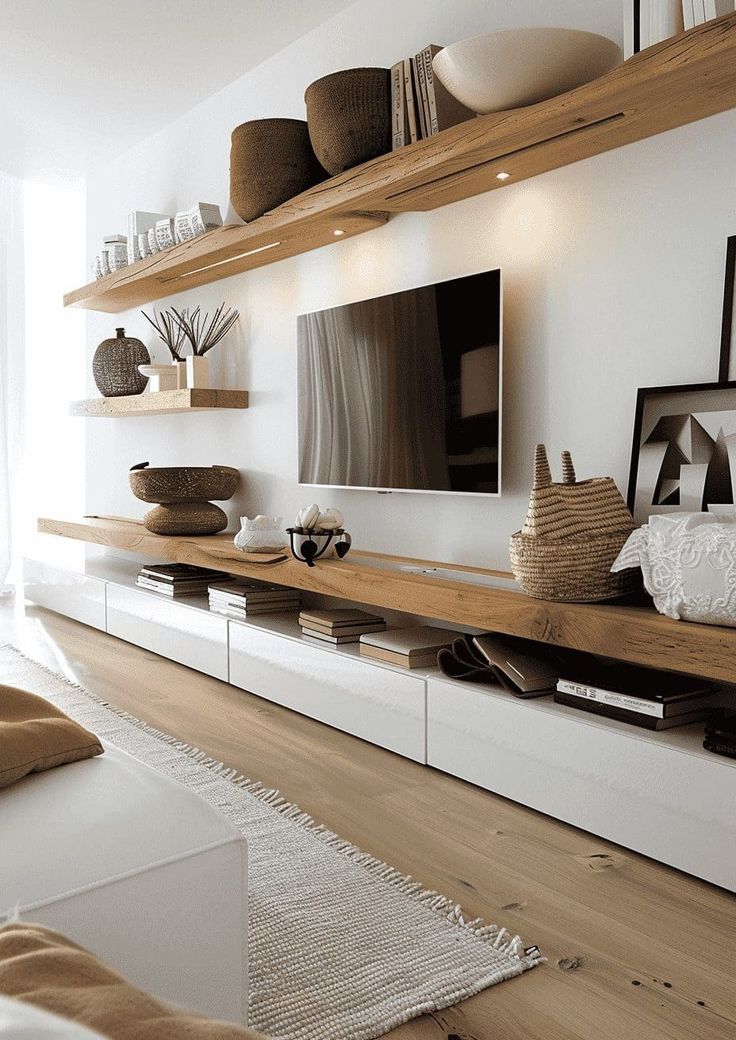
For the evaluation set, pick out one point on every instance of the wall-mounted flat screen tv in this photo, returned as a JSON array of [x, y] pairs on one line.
[[403, 392]]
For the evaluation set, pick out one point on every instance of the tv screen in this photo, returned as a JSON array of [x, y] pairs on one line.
[[403, 392]]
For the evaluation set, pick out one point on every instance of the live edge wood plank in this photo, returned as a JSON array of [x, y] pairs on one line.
[[681, 80], [627, 633], [163, 402]]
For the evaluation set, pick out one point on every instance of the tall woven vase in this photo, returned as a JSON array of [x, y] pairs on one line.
[[572, 534]]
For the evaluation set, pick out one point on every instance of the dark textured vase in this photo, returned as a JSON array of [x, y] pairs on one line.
[[115, 366]]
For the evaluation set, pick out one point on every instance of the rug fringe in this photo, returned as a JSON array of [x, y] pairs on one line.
[[501, 940]]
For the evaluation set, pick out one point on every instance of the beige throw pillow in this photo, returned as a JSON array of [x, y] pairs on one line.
[[53, 973], [34, 735]]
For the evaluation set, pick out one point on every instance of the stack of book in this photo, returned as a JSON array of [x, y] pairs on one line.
[[420, 105], [407, 647], [176, 579], [641, 696], [720, 734], [343, 625], [240, 598], [647, 22]]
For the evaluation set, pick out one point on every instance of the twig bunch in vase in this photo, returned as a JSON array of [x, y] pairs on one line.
[[203, 333], [172, 335], [200, 331]]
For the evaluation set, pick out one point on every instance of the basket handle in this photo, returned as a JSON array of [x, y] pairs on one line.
[[542, 474], [568, 470]]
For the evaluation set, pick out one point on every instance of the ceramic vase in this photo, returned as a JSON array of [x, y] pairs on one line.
[[198, 372], [116, 364]]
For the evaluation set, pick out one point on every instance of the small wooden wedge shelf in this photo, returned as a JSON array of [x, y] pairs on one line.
[[630, 633], [676, 82], [163, 402]]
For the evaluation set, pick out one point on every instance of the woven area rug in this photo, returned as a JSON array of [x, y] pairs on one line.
[[341, 946]]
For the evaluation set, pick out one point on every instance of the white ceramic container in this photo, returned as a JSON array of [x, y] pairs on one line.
[[517, 67]]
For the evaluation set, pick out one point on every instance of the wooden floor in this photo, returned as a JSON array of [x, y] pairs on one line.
[[636, 951]]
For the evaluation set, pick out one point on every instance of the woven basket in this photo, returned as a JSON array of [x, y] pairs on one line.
[[572, 534], [171, 484], [271, 161], [349, 117]]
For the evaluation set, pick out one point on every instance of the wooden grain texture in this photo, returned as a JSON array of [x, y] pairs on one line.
[[625, 632], [635, 950], [163, 402], [676, 82]]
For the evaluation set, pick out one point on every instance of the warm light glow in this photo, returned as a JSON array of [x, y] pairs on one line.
[[338, 231], [502, 176], [219, 263]]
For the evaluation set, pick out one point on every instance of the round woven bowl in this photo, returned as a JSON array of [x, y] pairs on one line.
[[271, 161], [186, 518], [170, 484], [349, 117], [571, 570]]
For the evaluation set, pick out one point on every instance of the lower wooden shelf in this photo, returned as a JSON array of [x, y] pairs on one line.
[[625, 632], [163, 402]]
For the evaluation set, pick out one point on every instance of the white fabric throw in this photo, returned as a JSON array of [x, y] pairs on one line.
[[341, 945]]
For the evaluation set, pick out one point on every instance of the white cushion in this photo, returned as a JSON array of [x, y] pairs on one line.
[[136, 868], [21, 1021], [84, 824]]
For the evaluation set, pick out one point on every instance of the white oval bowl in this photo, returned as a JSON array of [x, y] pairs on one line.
[[517, 67]]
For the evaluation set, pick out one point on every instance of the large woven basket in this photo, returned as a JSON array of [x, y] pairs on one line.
[[349, 117], [271, 161], [572, 534]]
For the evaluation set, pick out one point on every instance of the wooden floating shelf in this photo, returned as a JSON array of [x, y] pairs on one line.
[[163, 402], [684, 79], [632, 633]]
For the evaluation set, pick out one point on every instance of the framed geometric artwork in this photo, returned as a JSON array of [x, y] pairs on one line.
[[683, 457]]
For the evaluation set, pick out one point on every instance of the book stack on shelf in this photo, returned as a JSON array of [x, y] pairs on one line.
[[176, 579], [720, 734], [420, 105], [241, 598], [647, 22], [407, 647], [343, 625], [641, 696]]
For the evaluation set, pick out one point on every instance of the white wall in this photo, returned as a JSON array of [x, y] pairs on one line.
[[613, 280]]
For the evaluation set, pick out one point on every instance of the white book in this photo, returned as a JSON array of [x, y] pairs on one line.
[[670, 19], [628, 28], [644, 30], [688, 14], [716, 8]]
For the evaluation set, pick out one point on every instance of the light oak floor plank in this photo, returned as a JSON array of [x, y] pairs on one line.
[[636, 950]]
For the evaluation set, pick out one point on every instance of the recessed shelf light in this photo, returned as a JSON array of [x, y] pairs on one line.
[[229, 260], [502, 176], [337, 232]]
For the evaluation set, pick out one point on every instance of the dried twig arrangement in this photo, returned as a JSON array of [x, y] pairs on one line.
[[169, 331], [204, 332]]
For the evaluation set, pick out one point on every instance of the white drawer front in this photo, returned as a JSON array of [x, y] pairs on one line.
[[75, 595], [377, 704], [612, 779], [191, 637]]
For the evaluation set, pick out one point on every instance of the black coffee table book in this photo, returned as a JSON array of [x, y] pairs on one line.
[[641, 696], [720, 734]]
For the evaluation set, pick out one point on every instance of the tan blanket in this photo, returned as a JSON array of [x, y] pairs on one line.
[[53, 973]]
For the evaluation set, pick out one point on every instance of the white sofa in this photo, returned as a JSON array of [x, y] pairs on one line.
[[136, 868]]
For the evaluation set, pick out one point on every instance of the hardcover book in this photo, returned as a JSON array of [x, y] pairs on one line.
[[409, 642]]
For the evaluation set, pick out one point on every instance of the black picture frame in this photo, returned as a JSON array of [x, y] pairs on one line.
[[644, 396], [729, 287]]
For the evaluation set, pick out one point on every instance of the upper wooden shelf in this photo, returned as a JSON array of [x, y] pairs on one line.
[[162, 402], [679, 81], [629, 633]]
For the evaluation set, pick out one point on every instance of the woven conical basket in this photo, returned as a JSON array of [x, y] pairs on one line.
[[572, 534]]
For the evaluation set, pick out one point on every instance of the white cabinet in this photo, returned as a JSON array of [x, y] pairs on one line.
[[185, 634], [658, 793], [73, 594], [379, 704]]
